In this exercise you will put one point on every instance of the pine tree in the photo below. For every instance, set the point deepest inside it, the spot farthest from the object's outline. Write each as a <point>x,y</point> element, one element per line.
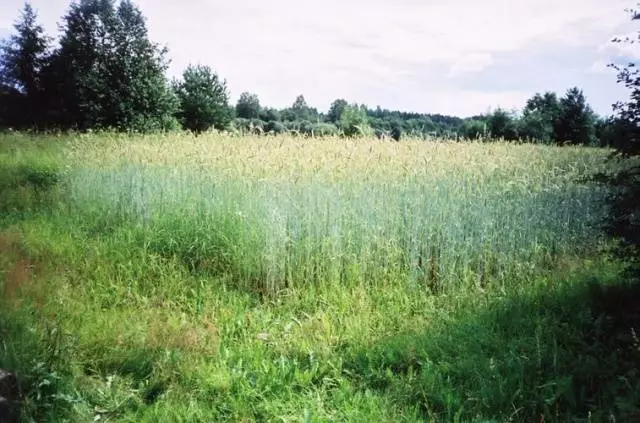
<point>577,120</point>
<point>22,60</point>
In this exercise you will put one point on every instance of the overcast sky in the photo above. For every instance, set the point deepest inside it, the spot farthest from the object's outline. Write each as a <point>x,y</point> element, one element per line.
<point>458,57</point>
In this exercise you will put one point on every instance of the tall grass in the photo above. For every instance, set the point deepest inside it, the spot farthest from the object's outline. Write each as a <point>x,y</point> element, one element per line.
<point>286,213</point>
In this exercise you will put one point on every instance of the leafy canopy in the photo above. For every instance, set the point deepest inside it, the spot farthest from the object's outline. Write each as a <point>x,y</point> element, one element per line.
<point>248,106</point>
<point>204,100</point>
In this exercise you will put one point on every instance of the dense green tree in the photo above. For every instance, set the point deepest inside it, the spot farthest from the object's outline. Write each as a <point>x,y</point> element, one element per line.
<point>335,110</point>
<point>23,57</point>
<point>248,106</point>
<point>81,64</point>
<point>474,129</point>
<point>142,98</point>
<point>269,114</point>
<point>541,117</point>
<point>250,126</point>
<point>625,207</point>
<point>628,112</point>
<point>300,127</point>
<point>415,124</point>
<point>204,100</point>
<point>502,124</point>
<point>324,129</point>
<point>300,103</point>
<point>396,129</point>
<point>577,120</point>
<point>275,127</point>
<point>354,121</point>
<point>546,103</point>
<point>614,132</point>
<point>108,74</point>
<point>301,111</point>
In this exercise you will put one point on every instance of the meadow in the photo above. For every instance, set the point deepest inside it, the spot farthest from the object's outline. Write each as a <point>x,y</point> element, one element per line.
<point>220,278</point>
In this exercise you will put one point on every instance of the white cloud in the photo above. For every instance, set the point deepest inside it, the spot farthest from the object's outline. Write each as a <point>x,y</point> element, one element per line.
<point>466,103</point>
<point>474,62</point>
<point>600,67</point>
<point>365,50</point>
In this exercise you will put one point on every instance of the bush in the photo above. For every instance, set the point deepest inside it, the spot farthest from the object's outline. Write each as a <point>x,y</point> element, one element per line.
<point>250,126</point>
<point>325,130</point>
<point>275,127</point>
<point>474,129</point>
<point>269,115</point>
<point>502,124</point>
<point>354,122</point>
<point>536,126</point>
<point>396,130</point>
<point>301,127</point>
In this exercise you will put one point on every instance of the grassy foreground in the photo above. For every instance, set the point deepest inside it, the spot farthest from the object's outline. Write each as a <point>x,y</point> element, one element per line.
<point>173,278</point>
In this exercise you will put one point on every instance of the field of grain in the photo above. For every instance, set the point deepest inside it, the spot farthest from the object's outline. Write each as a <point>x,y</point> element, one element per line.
<point>218,278</point>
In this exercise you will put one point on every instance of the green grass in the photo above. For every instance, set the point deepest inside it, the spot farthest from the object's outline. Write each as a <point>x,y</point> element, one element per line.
<point>171,278</point>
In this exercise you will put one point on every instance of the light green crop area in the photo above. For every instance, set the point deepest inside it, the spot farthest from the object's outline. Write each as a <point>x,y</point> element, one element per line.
<point>287,213</point>
<point>216,278</point>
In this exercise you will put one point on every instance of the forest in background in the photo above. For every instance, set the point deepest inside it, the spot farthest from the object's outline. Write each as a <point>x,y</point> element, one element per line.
<point>104,73</point>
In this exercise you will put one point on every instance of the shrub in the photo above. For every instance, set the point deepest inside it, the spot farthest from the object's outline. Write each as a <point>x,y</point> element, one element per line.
<point>324,129</point>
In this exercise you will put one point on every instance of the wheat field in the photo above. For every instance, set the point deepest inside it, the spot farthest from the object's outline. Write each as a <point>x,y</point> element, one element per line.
<point>286,212</point>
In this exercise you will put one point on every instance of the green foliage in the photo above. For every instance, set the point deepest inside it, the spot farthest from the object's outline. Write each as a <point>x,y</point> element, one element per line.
<point>250,126</point>
<point>559,341</point>
<point>577,120</point>
<point>275,127</point>
<point>335,111</point>
<point>502,124</point>
<point>614,132</point>
<point>324,130</point>
<point>413,124</point>
<point>300,106</point>
<point>541,117</point>
<point>107,73</point>
<point>80,65</point>
<point>535,126</point>
<point>629,111</point>
<point>474,129</point>
<point>300,127</point>
<point>24,54</point>
<point>269,114</point>
<point>23,58</point>
<point>354,121</point>
<point>38,352</point>
<point>624,135</point>
<point>300,111</point>
<point>203,100</point>
<point>396,130</point>
<point>248,106</point>
<point>544,119</point>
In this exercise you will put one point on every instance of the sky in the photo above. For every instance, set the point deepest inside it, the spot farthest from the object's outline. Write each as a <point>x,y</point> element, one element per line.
<point>457,57</point>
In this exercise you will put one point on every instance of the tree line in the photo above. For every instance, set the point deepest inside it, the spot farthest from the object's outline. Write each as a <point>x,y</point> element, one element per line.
<point>105,73</point>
